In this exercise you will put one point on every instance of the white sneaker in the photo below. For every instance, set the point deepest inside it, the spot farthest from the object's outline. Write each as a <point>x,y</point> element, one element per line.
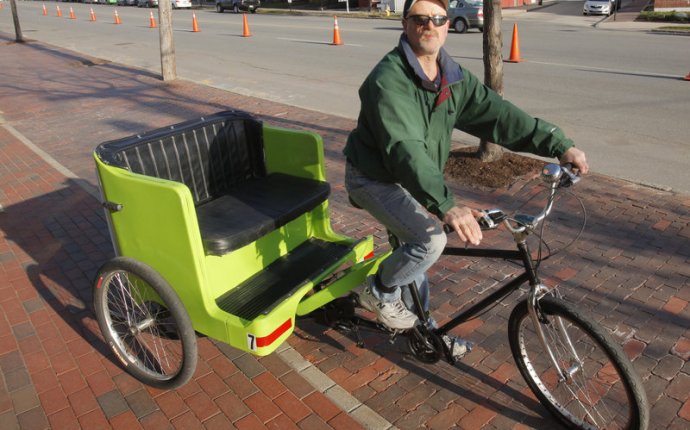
<point>391,314</point>
<point>458,347</point>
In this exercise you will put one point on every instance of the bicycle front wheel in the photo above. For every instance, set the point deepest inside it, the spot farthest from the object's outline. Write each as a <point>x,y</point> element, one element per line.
<point>144,323</point>
<point>595,386</point>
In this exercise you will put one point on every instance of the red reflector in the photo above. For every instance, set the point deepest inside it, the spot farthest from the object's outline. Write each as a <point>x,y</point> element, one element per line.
<point>100,281</point>
<point>267,340</point>
<point>369,256</point>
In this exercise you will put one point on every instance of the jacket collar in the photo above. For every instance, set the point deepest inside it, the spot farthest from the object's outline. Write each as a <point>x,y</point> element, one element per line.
<point>449,69</point>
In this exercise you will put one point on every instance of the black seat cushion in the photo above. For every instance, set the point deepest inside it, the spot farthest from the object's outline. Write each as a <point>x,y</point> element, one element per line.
<point>254,208</point>
<point>209,155</point>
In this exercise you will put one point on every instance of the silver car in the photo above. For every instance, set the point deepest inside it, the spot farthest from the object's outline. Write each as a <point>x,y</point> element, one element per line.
<point>466,14</point>
<point>598,7</point>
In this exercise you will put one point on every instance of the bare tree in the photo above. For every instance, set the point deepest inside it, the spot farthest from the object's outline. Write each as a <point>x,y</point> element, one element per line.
<point>17,27</point>
<point>168,61</point>
<point>493,67</point>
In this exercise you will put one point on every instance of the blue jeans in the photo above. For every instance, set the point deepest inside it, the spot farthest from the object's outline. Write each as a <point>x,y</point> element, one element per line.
<point>420,233</point>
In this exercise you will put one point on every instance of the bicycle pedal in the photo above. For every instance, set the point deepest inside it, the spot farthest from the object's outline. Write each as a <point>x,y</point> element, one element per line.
<point>456,348</point>
<point>394,334</point>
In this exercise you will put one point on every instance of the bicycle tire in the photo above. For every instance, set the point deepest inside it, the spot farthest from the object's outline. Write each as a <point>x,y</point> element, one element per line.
<point>604,392</point>
<point>145,324</point>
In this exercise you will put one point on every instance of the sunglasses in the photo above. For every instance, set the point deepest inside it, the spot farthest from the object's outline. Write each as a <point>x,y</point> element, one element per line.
<point>423,20</point>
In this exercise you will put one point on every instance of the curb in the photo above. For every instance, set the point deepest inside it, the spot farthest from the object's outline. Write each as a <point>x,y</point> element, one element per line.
<point>344,400</point>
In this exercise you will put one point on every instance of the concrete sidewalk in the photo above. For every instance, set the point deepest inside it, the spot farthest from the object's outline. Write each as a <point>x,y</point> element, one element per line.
<point>630,270</point>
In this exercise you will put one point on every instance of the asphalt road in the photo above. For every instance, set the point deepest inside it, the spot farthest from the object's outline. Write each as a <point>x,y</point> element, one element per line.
<point>617,93</point>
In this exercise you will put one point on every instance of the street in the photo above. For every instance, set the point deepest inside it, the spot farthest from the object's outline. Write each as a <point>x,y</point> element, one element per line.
<point>617,93</point>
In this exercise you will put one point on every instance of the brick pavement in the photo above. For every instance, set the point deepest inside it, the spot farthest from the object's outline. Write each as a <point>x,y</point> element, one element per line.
<point>630,270</point>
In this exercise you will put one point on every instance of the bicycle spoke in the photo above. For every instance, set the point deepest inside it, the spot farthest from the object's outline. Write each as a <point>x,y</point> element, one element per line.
<point>592,385</point>
<point>143,327</point>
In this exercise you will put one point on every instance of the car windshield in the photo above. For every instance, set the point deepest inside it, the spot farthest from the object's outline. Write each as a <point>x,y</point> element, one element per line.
<point>457,3</point>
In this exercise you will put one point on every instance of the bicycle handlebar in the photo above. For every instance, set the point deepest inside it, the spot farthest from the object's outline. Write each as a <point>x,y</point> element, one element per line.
<point>553,174</point>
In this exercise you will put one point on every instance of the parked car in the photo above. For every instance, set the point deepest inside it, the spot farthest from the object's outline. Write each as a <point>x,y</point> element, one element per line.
<point>127,2</point>
<point>466,14</point>
<point>237,5</point>
<point>147,3</point>
<point>181,4</point>
<point>598,7</point>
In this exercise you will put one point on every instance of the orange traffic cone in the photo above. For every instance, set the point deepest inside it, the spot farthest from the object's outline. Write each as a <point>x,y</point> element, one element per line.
<point>92,16</point>
<point>117,18</point>
<point>71,14</point>
<point>45,11</point>
<point>515,47</point>
<point>152,21</point>
<point>245,26</point>
<point>195,24</point>
<point>58,12</point>
<point>336,32</point>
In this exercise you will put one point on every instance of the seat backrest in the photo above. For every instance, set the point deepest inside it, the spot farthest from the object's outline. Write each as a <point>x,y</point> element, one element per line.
<point>210,155</point>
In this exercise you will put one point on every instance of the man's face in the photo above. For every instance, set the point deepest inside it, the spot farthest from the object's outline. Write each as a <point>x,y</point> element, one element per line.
<point>425,39</point>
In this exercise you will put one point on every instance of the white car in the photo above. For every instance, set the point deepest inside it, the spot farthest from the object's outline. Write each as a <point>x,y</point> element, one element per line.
<point>181,4</point>
<point>597,7</point>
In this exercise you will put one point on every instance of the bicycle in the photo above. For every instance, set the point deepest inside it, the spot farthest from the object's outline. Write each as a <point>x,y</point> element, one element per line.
<point>571,363</point>
<point>221,227</point>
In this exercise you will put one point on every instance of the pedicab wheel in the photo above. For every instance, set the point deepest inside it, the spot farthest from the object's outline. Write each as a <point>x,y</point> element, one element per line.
<point>145,324</point>
<point>596,385</point>
<point>427,347</point>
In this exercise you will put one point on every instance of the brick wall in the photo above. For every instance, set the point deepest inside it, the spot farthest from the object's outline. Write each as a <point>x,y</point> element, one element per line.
<point>671,4</point>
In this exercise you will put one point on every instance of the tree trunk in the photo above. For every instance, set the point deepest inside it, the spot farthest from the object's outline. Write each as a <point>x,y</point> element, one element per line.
<point>168,62</point>
<point>19,38</point>
<point>493,67</point>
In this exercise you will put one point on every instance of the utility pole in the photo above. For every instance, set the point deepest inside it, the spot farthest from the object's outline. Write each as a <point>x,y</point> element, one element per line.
<point>168,61</point>
<point>493,67</point>
<point>17,28</point>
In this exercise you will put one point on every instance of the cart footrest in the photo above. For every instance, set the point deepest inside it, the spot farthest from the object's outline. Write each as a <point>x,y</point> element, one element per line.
<point>264,291</point>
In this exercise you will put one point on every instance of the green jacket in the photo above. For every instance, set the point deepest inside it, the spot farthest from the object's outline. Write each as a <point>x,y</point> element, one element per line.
<point>402,136</point>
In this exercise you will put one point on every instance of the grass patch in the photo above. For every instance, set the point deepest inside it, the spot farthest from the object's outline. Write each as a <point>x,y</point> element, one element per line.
<point>671,16</point>
<point>675,28</point>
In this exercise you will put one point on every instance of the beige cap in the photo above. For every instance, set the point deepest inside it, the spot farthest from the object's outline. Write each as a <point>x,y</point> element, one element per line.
<point>409,3</point>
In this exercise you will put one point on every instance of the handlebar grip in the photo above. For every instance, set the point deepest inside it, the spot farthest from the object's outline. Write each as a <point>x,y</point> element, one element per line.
<point>568,177</point>
<point>489,220</point>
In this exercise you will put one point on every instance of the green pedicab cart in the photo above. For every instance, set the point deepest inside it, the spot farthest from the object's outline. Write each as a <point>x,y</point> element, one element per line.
<point>220,226</point>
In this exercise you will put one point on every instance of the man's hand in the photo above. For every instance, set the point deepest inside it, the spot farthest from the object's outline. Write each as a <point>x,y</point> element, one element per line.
<point>577,158</point>
<point>464,222</point>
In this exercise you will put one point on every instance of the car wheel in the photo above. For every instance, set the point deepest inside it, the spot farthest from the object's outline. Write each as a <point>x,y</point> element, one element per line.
<point>252,10</point>
<point>219,8</point>
<point>460,25</point>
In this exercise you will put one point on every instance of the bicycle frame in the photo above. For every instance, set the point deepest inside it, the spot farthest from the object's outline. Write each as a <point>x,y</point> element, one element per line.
<point>537,289</point>
<point>521,254</point>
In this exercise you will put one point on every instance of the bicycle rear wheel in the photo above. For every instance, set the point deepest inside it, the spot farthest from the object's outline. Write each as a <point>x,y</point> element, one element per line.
<point>602,389</point>
<point>144,323</point>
